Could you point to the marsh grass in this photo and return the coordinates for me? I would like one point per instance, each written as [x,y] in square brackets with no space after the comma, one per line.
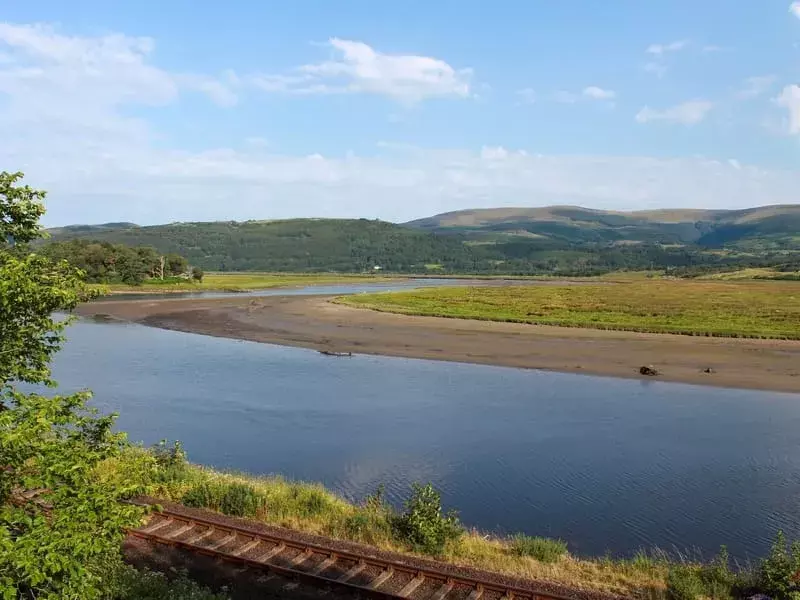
[754,309]
[237,282]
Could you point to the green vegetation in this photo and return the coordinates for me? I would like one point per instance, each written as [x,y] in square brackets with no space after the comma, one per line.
[542,549]
[104,262]
[713,308]
[239,282]
[423,525]
[773,226]
[565,241]
[62,521]
[59,543]
[126,583]
[423,528]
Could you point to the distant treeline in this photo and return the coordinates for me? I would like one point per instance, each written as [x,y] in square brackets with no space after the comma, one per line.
[358,245]
[104,262]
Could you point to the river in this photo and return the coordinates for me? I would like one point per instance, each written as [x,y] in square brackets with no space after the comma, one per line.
[606,464]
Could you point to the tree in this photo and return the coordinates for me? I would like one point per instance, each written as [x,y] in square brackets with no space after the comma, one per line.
[61,522]
[176,264]
[197,274]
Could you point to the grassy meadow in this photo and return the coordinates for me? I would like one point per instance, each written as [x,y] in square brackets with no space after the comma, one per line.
[755,309]
[239,282]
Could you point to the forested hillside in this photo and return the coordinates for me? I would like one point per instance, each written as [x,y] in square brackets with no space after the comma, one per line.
[552,240]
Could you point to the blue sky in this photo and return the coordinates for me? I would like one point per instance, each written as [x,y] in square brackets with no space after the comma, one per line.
[156,112]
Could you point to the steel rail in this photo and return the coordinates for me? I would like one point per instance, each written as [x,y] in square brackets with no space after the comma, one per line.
[166,527]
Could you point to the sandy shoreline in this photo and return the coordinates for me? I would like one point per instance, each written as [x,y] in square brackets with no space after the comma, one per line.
[314,322]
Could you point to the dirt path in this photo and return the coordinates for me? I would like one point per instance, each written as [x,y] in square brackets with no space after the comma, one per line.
[314,322]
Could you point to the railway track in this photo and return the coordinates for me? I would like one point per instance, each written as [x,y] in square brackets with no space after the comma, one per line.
[316,564]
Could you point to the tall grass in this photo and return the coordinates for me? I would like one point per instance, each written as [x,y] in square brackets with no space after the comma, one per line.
[236,282]
[421,528]
[424,528]
[758,309]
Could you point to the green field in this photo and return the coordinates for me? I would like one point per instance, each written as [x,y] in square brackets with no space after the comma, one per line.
[760,309]
[237,282]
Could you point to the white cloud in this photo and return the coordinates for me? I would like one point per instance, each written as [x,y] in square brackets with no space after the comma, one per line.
[358,68]
[659,49]
[66,122]
[790,100]
[794,8]
[591,92]
[94,72]
[753,87]
[688,113]
[148,185]
[527,95]
[596,93]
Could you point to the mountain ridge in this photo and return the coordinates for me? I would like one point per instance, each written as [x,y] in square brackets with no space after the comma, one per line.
[554,239]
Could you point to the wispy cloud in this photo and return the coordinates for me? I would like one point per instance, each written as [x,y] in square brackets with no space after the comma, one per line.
[659,49]
[794,8]
[92,72]
[688,113]
[753,87]
[358,68]
[591,92]
[597,93]
[790,100]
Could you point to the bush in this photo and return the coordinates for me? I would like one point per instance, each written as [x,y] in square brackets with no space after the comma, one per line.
[542,549]
[242,500]
[130,584]
[714,580]
[234,499]
[779,572]
[423,525]
[684,583]
[171,462]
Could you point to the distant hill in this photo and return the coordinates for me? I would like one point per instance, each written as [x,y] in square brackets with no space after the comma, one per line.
[289,245]
[770,225]
[553,239]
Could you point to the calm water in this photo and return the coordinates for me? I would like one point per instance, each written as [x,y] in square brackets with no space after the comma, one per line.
[606,464]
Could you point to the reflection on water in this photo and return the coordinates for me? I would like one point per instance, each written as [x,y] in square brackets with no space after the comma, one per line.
[604,463]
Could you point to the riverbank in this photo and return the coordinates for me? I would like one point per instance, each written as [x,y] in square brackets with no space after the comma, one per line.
[241,282]
[307,510]
[315,322]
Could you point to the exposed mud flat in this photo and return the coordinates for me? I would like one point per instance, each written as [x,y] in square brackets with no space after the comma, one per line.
[314,322]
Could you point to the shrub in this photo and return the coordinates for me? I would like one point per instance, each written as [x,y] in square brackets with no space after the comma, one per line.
[714,580]
[171,462]
[423,525]
[130,584]
[241,500]
[542,549]
[684,583]
[230,498]
[779,572]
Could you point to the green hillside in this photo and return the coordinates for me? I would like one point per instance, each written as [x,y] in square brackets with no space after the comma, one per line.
[293,245]
[560,240]
[769,226]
